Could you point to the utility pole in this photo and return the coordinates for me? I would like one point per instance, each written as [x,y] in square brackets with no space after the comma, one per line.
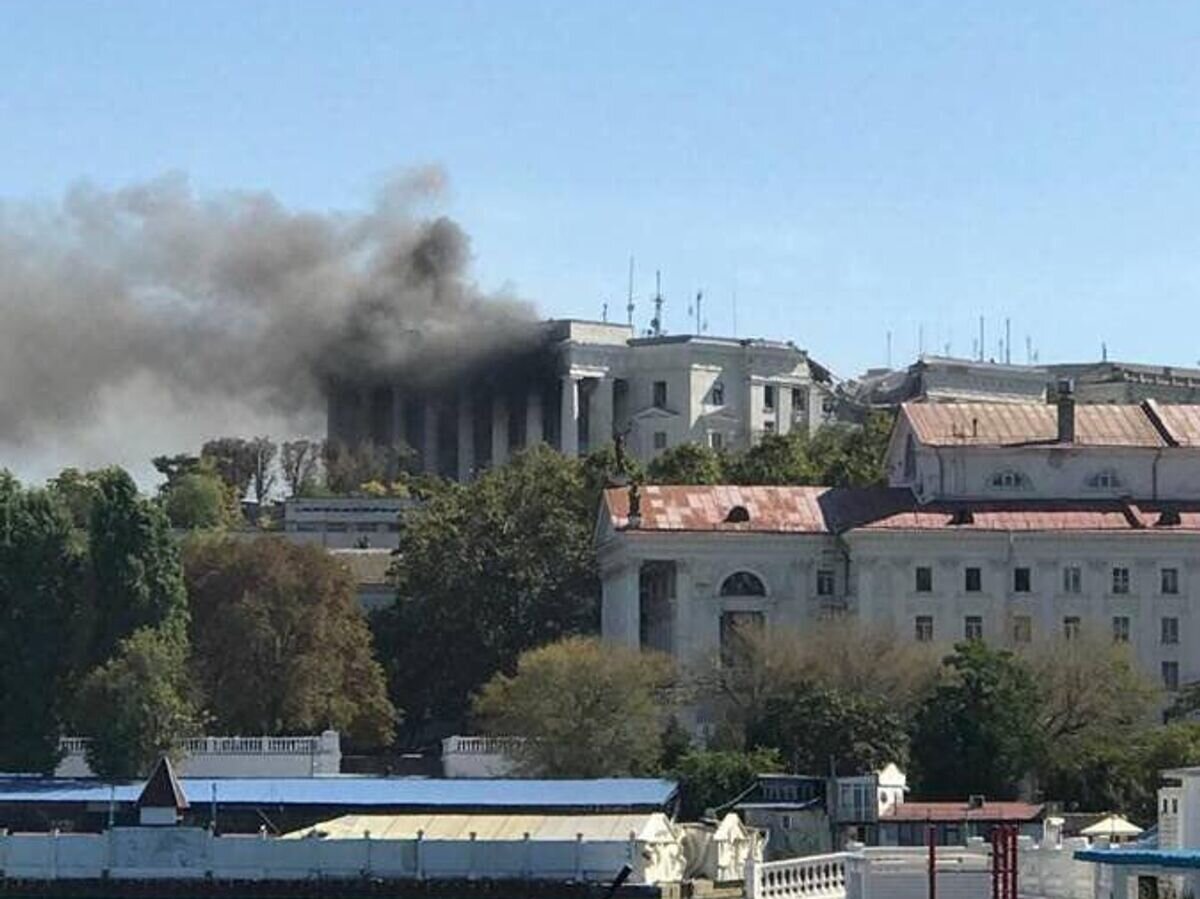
[629,306]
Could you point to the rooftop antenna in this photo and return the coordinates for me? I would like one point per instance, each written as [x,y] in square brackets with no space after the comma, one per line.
[1028,350]
[1103,351]
[697,311]
[982,340]
[629,304]
[656,322]
[1008,341]
[604,313]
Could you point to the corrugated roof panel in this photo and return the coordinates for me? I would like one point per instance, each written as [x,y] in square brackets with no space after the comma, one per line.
[1010,424]
[559,828]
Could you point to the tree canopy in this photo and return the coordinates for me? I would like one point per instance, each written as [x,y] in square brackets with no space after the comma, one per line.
[585,709]
[279,643]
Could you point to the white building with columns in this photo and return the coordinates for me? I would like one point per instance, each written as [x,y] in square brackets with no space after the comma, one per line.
[589,382]
[1005,522]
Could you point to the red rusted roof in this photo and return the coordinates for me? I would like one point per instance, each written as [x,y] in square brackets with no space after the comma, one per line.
[780,510]
[1013,424]
[835,510]
[962,811]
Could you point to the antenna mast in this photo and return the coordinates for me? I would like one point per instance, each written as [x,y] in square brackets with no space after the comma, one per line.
[1008,341]
[629,305]
[656,322]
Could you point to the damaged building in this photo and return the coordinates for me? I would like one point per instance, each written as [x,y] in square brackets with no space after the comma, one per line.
[576,385]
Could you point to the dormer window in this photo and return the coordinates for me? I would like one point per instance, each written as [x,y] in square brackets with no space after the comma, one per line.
[718,394]
[1107,479]
[1008,479]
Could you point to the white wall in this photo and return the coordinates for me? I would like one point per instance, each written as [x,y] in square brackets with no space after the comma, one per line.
[235,757]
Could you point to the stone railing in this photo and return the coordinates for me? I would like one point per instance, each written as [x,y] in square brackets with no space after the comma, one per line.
[302,756]
[473,756]
[810,877]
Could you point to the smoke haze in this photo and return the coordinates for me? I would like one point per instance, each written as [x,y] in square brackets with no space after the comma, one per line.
[142,320]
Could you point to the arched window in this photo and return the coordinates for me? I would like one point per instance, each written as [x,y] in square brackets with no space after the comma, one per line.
[737,515]
[1008,479]
[743,583]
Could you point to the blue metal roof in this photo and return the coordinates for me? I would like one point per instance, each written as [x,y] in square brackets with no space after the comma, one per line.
[1154,858]
[364,791]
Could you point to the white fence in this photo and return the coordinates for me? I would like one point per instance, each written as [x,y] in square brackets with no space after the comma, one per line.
[1049,871]
[233,756]
[479,756]
[185,853]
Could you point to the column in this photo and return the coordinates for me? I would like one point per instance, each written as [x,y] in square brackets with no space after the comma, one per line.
[620,605]
[429,439]
[399,419]
[533,418]
[466,436]
[783,408]
[601,414]
[499,430]
[568,443]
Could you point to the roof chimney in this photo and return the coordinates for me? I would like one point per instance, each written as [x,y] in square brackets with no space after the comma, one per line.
[1065,399]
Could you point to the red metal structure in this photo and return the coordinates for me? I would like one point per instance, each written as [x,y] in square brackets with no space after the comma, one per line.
[1004,862]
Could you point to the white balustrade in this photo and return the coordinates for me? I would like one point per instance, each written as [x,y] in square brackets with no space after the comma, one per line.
[811,877]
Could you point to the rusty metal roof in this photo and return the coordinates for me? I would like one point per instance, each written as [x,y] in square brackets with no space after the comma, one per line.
[1015,424]
[1182,422]
[837,510]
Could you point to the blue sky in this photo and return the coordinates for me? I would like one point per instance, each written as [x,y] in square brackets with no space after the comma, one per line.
[848,168]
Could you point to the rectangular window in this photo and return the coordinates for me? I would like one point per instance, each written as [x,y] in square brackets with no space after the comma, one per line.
[660,394]
[1170,631]
[924,628]
[1022,580]
[1120,629]
[1022,629]
[716,440]
[769,427]
[718,394]
[768,397]
[825,582]
[738,633]
[1170,676]
[973,580]
[924,579]
[660,440]
[973,627]
[1120,580]
[1072,579]
[1071,627]
[1169,580]
[799,399]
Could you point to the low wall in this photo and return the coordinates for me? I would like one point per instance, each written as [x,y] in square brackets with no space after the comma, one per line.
[233,757]
[187,853]
[478,756]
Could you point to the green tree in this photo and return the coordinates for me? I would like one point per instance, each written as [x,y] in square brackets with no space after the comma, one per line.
[300,465]
[775,459]
[979,731]
[135,576]
[347,468]
[485,571]
[41,598]
[263,477]
[279,643]
[711,779]
[846,456]
[234,460]
[197,500]
[585,709]
[77,491]
[172,467]
[687,463]
[818,731]
[138,706]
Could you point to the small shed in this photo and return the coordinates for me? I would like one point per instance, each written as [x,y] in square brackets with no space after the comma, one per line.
[590,847]
[162,801]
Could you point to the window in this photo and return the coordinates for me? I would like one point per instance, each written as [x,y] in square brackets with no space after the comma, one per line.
[799,399]
[1022,579]
[768,397]
[717,395]
[924,577]
[924,627]
[910,458]
[660,394]
[1170,676]
[769,427]
[1022,628]
[1170,631]
[1072,579]
[973,580]
[973,627]
[743,583]
[660,440]
[1120,629]
[1104,480]
[1071,627]
[1120,580]
[824,582]
[1169,581]
[1008,480]
[716,440]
